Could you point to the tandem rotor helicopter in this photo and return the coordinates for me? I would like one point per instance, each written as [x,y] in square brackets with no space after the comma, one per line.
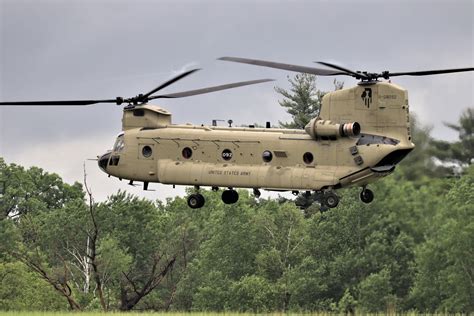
[360,135]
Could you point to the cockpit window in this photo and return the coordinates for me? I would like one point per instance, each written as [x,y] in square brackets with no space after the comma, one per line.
[119,144]
[366,139]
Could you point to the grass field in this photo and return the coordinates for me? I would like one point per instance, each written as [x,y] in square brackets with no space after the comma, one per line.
[65,313]
[149,313]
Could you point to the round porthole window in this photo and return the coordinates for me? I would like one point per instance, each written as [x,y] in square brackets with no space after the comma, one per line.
[308,158]
[226,154]
[187,153]
[267,156]
[147,151]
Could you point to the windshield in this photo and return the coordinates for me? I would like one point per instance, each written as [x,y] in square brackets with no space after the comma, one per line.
[119,144]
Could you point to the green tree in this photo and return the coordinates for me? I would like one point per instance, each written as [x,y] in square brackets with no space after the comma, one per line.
[344,247]
[302,101]
[48,246]
[33,189]
[375,291]
[138,229]
[253,293]
[282,232]
[21,289]
[445,261]
[461,152]
[227,254]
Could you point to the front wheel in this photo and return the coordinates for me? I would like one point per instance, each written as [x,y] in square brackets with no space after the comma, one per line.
[366,196]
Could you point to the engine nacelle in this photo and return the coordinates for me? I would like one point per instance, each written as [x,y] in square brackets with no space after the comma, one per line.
[318,128]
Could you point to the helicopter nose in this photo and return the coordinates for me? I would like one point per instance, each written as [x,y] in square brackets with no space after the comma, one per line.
[103,160]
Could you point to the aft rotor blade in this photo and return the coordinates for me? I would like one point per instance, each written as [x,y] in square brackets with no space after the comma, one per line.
[171,81]
[58,103]
[429,72]
[355,74]
[264,63]
[209,89]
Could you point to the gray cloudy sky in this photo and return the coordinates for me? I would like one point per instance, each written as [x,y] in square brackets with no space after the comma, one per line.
[103,49]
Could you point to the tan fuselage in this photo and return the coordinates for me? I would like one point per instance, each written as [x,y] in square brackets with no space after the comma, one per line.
[154,150]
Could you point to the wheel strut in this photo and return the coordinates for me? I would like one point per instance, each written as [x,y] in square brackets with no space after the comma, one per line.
[256,192]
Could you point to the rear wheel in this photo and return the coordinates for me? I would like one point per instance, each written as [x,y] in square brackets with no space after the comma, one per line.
[196,200]
[330,199]
[230,196]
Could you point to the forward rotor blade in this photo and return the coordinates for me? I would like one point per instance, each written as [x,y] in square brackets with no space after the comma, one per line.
[355,74]
[208,90]
[57,103]
[429,72]
[171,81]
[309,70]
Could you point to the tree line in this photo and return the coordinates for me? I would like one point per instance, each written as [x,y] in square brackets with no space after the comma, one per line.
[411,249]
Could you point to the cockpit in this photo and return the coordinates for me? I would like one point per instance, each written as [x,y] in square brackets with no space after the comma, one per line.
[112,158]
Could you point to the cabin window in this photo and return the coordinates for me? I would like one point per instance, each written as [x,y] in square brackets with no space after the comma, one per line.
[187,153]
[226,154]
[368,139]
[267,156]
[147,151]
[308,158]
[138,112]
[119,144]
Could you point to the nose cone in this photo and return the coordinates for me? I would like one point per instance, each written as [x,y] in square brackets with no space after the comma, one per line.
[103,160]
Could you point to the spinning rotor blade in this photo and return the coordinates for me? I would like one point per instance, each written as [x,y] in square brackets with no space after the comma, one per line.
[142,98]
[429,72]
[309,70]
[339,70]
[209,89]
[119,100]
[171,81]
[59,103]
[348,71]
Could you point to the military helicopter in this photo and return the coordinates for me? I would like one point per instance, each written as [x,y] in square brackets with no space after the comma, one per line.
[360,135]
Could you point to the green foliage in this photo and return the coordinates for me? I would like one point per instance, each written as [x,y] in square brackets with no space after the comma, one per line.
[303,101]
[22,290]
[347,304]
[460,153]
[254,294]
[33,189]
[375,291]
[446,261]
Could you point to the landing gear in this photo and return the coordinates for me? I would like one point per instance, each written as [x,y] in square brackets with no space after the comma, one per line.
[327,199]
[230,196]
[196,200]
[256,193]
[330,199]
[366,195]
